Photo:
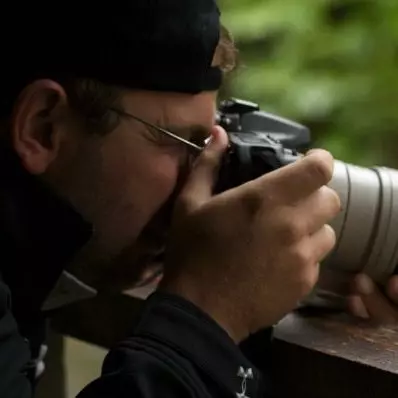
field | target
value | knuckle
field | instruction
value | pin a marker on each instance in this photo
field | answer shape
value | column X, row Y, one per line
column 335, row 201
column 304, row 266
column 330, row 237
column 303, row 257
column 253, row 202
column 330, row 201
column 307, row 283
column 324, row 243
column 184, row 203
column 320, row 166
column 291, row 231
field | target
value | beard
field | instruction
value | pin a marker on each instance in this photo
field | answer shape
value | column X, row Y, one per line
column 137, row 263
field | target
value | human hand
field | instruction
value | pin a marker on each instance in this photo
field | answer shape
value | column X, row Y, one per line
column 248, row 255
column 369, row 302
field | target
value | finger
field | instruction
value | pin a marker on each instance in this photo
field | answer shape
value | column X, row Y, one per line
column 357, row 307
column 317, row 210
column 200, row 183
column 377, row 305
column 322, row 243
column 392, row 289
column 300, row 179
column 313, row 251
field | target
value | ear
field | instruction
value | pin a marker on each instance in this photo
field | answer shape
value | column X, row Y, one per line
column 35, row 128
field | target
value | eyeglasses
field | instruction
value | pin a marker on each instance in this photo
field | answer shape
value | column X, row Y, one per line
column 195, row 147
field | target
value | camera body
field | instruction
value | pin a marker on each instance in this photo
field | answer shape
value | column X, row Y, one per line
column 260, row 142
column 366, row 228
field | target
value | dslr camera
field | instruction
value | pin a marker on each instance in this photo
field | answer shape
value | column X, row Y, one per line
column 366, row 229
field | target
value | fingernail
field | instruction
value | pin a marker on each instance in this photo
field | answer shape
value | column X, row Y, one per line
column 358, row 308
column 364, row 284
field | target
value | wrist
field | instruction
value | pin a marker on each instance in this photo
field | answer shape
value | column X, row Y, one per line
column 218, row 309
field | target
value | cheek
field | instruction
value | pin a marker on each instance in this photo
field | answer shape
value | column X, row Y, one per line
column 136, row 189
column 157, row 180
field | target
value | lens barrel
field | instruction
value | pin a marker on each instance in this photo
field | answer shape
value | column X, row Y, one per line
column 367, row 227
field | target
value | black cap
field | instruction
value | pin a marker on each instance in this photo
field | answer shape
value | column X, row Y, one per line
column 161, row 45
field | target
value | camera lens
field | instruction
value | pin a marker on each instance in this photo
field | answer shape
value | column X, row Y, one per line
column 367, row 227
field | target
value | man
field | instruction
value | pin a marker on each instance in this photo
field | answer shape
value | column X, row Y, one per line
column 100, row 132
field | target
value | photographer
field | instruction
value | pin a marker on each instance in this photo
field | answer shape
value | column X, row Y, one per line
column 89, row 181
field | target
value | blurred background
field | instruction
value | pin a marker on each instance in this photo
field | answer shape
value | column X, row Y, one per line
column 329, row 64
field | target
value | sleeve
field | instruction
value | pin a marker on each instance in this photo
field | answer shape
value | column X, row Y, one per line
column 176, row 351
column 258, row 350
column 14, row 352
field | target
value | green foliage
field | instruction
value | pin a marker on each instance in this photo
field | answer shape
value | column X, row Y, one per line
column 329, row 64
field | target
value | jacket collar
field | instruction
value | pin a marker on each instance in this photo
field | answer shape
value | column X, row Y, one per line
column 67, row 290
column 40, row 234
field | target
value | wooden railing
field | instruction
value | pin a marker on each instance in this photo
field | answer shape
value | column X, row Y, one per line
column 316, row 355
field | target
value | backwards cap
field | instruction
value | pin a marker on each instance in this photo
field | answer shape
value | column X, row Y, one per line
column 161, row 45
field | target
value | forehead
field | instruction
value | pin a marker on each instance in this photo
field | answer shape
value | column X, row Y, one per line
column 173, row 109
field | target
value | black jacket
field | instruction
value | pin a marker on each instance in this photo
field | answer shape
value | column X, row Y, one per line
column 174, row 351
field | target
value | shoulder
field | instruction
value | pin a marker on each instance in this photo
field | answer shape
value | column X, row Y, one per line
column 14, row 351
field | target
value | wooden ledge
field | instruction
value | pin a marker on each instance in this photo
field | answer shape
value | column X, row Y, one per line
column 332, row 355
column 316, row 355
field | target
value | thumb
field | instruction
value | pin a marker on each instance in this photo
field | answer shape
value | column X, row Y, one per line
column 199, row 186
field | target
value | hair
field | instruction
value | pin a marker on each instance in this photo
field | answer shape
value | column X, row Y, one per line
column 93, row 100
column 227, row 51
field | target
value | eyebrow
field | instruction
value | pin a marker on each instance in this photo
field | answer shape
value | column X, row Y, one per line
column 164, row 130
